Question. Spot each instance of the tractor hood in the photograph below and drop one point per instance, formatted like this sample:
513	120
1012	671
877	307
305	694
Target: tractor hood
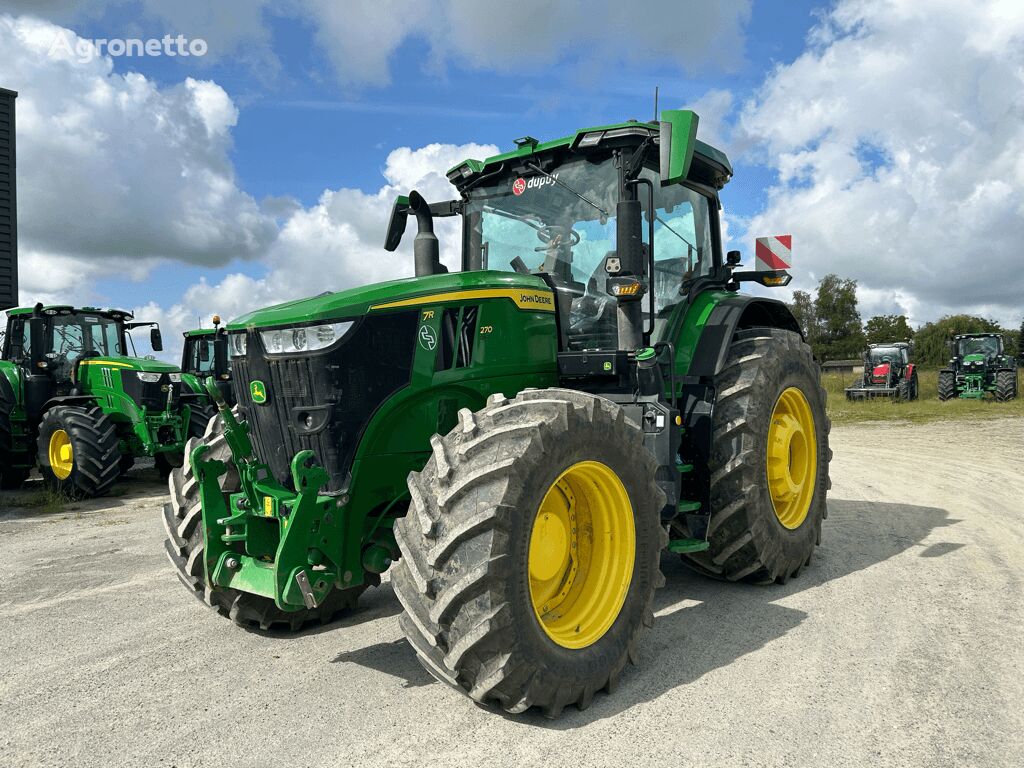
132	364
975	358
329	307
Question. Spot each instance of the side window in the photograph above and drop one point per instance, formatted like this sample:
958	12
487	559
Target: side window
21	328
15	342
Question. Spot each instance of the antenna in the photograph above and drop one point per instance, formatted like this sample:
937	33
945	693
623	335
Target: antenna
655	103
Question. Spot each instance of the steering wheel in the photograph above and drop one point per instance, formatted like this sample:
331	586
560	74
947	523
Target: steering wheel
553	234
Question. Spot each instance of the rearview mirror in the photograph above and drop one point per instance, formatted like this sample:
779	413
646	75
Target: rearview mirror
396	226
677	135
156	341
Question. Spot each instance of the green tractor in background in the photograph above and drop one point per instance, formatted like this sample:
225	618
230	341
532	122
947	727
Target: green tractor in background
205	354
518	441
979	366
77	406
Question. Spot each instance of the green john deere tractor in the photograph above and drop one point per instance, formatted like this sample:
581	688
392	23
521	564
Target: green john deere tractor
205	354
74	404
520	440
979	366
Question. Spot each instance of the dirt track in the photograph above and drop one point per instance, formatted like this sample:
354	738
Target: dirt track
901	645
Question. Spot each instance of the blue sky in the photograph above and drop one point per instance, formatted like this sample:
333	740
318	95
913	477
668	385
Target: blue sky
300	131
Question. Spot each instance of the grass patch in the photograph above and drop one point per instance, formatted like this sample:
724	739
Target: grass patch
925	409
46	500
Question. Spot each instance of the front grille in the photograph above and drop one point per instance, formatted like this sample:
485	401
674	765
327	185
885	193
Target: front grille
322	401
150	395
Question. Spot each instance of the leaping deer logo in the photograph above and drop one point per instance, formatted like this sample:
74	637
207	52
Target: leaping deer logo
258	390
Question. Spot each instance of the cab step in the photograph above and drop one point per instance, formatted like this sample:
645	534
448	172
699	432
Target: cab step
684	469
688	506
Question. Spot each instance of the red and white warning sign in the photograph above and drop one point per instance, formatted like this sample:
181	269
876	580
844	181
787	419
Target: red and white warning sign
518	186
773	253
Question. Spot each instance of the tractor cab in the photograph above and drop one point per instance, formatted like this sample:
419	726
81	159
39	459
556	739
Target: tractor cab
620	222
893	354
985	347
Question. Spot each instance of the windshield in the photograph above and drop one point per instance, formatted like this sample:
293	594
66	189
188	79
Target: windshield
984	345
81	335
562	223
886	354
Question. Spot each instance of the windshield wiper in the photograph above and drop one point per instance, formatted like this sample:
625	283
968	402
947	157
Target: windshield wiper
580	195
666	226
514	216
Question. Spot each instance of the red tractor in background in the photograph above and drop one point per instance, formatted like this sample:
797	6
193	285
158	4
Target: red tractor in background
888	372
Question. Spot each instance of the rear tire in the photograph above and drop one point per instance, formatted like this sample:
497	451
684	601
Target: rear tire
201	415
914	387
1006	385
94	459
467	574
905	391
947	385
183	524
748	540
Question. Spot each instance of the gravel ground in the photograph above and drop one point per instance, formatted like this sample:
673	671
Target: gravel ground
900	645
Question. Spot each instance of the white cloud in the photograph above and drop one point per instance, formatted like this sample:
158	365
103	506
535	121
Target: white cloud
117	173
898	137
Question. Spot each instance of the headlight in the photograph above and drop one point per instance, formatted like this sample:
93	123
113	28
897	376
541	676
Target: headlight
175	378
238	344
283	341
149	378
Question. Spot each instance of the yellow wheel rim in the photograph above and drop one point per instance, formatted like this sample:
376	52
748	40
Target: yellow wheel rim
792	458
62	457
582	549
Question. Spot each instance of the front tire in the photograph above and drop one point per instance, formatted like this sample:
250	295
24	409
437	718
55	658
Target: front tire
78	452
947	385
199	419
1006	385
183	524
769	461
514	521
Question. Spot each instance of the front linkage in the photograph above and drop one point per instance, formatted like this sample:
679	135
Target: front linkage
274	542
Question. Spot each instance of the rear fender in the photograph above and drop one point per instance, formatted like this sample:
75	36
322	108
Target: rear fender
736	313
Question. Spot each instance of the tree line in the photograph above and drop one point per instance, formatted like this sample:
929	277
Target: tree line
832	325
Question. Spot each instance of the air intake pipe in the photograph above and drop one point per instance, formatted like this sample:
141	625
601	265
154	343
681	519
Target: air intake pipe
425	248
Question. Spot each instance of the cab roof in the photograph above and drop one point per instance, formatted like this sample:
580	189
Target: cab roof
199	332
710	162
64	309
